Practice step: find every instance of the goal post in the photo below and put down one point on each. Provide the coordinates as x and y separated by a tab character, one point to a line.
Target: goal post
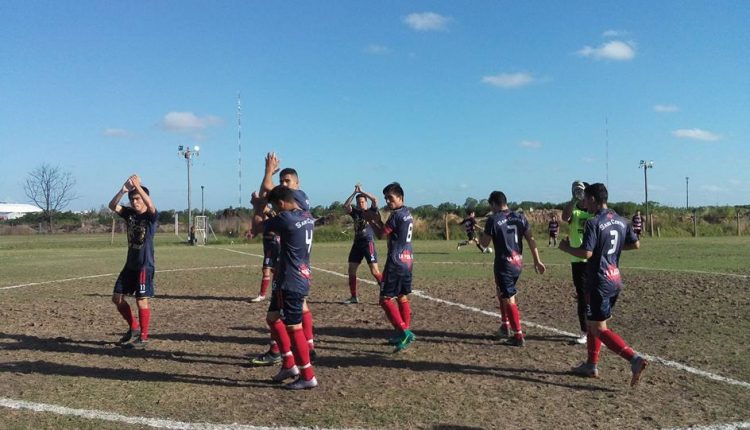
201	229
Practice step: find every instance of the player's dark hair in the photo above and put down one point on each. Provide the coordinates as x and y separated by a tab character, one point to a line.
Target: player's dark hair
598	191
498	198
133	192
280	193
394	188
288	171
360	196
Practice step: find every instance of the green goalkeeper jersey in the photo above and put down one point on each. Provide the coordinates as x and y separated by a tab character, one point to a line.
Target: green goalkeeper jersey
575	230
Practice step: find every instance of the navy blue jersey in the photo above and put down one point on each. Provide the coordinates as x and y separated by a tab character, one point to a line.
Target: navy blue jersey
469	224
295	229
301	199
637	223
141	230
553	227
362	230
604	235
507	230
399	229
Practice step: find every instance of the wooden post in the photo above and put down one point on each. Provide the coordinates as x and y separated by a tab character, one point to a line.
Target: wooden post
695	224
112	239
447	229
738	223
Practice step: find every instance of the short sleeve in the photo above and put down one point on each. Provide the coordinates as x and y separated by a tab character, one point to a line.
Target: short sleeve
630	236
390	225
589	236
489	226
273	224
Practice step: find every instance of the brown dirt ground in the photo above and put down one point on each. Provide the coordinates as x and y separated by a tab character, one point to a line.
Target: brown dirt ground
56	347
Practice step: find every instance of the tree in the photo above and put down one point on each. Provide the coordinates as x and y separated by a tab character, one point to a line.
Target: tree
470	204
51	189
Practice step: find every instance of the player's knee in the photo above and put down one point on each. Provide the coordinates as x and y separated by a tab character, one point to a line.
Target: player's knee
384	300
117	299
403	298
142	303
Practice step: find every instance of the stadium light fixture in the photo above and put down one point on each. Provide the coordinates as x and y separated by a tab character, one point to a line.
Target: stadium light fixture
188	154
645	165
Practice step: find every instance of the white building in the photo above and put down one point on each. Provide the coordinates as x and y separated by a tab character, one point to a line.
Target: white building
16	210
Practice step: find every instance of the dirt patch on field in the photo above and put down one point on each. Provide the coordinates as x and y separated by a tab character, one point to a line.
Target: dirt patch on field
56	347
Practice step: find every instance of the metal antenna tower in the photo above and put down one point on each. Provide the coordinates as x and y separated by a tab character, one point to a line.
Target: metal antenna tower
239	146
606	143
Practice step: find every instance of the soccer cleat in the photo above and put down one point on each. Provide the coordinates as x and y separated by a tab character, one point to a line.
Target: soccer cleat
582	340
394	340
503	331
268	358
637	366
587	370
257	299
515	341
351	301
285	374
405	341
137	344
302	384
130	334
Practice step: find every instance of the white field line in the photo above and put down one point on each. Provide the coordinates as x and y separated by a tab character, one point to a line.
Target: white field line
663	361
189	269
728	426
141	421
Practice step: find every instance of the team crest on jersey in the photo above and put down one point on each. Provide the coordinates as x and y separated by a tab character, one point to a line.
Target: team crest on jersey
613	274
304	270
515	259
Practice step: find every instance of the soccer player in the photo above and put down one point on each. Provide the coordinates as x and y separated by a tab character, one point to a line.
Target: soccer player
137	277
289	178
291	284
605	236
397	274
576	215
637	223
364	243
470	224
505	229
553	227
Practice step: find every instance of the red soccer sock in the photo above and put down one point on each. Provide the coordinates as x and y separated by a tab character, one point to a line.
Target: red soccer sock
353	285
127	313
301	353
616	344
264	283
504	313
144	316
273	348
405	310
515	319
593	346
392	313
278	331
307	327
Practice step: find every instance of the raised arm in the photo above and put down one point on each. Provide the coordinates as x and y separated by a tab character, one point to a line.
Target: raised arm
114	204
373	199
135	182
272	167
259	214
376	222
348	202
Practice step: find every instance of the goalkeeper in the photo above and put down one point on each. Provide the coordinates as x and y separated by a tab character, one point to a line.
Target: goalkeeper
576	216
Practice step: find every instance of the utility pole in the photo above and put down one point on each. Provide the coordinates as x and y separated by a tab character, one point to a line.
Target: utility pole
687	193
202	210
645	165
188	154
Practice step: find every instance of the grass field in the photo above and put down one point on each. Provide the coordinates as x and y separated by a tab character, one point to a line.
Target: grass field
686	304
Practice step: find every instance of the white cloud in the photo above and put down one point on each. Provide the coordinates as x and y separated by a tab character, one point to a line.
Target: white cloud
376	49
614	33
531	144
616	50
696	134
665	108
712	188
427	21
509	80
115	132
188	122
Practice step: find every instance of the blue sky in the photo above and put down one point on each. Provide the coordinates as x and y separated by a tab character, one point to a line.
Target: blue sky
452	99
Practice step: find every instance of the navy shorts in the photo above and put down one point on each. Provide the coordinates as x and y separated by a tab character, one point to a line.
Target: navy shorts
505	284
271	250
396	280
362	249
135	282
288	304
599	304
471	235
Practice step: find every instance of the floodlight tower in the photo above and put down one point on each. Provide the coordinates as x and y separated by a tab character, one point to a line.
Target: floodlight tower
645	165
188	154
